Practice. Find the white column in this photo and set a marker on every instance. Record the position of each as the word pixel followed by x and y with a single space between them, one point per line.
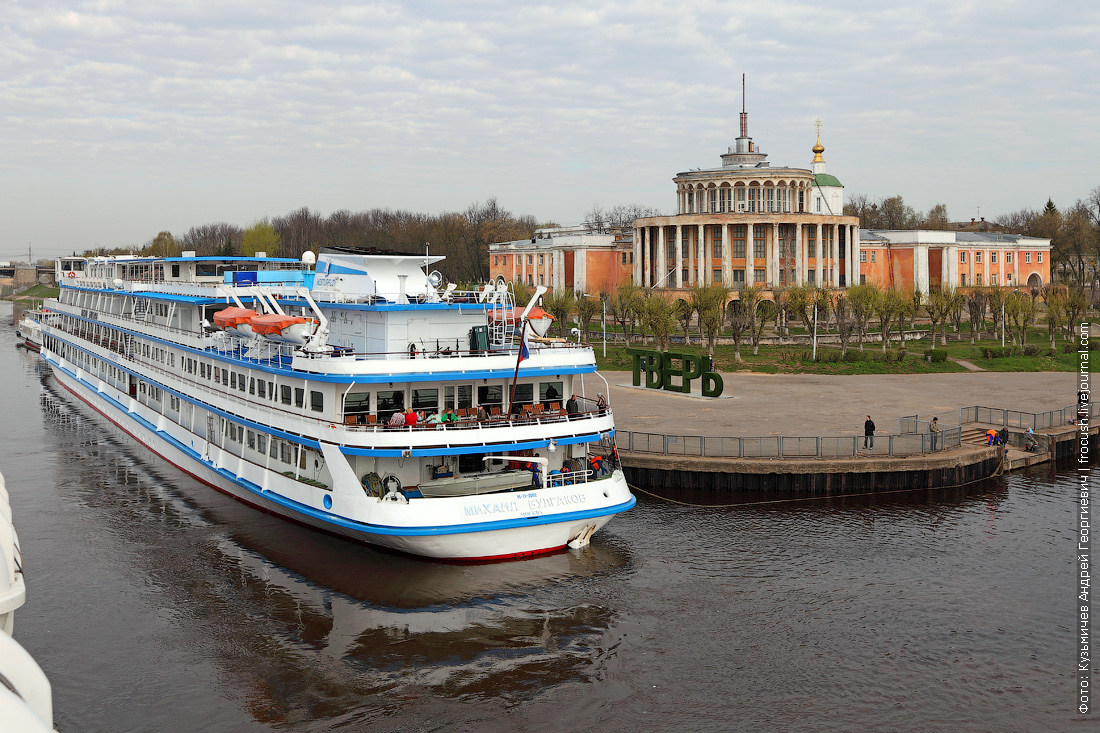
pixel 835 252
pixel 727 256
pixel 1001 267
pixel 920 268
pixel 773 260
pixel 701 255
pixel 799 256
pixel 679 256
pixel 749 263
pixel 662 256
pixel 855 255
pixel 637 254
pixel 819 258
pixel 647 268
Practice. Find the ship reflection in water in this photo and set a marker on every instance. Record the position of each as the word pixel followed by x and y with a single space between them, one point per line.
pixel 316 621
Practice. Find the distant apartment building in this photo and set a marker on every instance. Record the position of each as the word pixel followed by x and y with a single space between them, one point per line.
pixel 925 260
pixel 570 257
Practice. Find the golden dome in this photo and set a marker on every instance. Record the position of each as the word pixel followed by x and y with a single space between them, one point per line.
pixel 818 150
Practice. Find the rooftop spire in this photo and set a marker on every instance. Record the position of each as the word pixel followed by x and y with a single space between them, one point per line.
pixel 818 148
pixel 744 114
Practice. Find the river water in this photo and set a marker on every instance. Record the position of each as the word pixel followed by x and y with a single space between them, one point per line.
pixel 155 603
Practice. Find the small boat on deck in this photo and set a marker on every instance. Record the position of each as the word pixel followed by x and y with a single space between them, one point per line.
pixel 29 329
pixel 284 329
pixel 236 319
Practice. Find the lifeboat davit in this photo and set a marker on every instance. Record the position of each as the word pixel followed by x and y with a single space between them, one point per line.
pixel 285 329
pixel 539 319
pixel 235 320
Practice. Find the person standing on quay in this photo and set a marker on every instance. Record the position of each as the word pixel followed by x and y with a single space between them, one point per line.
pixel 934 428
pixel 869 433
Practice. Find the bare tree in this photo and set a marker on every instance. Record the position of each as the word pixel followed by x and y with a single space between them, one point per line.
pixel 976 302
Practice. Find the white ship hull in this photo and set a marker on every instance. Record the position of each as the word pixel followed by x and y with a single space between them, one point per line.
pixel 497 526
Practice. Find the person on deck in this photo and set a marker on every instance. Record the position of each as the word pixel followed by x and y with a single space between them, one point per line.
pixel 571 406
pixel 410 417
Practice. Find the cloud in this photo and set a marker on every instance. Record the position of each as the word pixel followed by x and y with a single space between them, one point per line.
pixel 235 110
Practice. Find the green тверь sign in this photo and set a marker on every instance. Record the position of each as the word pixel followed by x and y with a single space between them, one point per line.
pixel 661 368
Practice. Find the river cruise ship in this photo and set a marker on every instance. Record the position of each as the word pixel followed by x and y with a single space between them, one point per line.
pixel 355 393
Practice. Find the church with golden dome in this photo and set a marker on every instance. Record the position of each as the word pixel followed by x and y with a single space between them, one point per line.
pixel 747 223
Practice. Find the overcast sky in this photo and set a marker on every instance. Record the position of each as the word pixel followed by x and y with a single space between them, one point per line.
pixel 120 119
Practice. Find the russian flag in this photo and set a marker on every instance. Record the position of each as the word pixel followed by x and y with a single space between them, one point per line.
pixel 524 345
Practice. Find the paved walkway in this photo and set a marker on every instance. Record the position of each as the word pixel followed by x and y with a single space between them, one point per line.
pixel 812 404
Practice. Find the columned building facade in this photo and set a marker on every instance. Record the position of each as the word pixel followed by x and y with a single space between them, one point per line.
pixel 747 223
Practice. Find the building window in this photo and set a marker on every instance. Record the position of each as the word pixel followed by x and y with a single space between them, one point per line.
pixel 717 248
pixel 758 250
pixel 723 199
pixel 782 276
pixel 817 201
pixel 992 258
pixel 716 275
pixel 740 199
pixel 713 200
pixel 977 258
pixel 1039 257
pixel 810 275
pixel 684 275
pixel 1027 257
pixel 1008 278
pixel 771 199
pixel 624 258
pixel 872 255
pixel 962 258
pixel 691 202
pixel 801 201
pixel 962 279
pixel 978 279
pixel 1008 258
pixel 752 198
pixel 862 256
pixel 992 278
pixel 758 276
pixel 862 279
pixel 738 276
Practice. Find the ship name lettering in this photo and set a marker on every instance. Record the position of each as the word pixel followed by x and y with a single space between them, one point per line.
pixel 499 507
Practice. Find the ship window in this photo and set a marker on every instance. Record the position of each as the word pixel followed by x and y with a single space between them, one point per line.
pixel 389 402
pixel 175 270
pixel 524 395
pixel 425 399
pixel 261 443
pixel 550 392
pixel 270 390
pixel 218 376
pixel 286 394
pixel 464 394
pixel 316 401
pixel 299 397
pixel 274 448
pixel 251 385
pixel 240 382
pixel 225 376
pixel 252 440
pixel 357 403
pixel 490 395
pixel 202 370
pixel 232 380
pixel 260 389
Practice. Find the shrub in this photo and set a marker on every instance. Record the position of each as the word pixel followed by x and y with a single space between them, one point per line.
pixel 937 356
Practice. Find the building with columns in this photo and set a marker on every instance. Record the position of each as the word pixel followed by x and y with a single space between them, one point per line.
pixel 569 257
pixel 746 223
pixel 925 260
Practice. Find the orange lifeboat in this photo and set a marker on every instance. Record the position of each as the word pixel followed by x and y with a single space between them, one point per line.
pixel 539 319
pixel 235 319
pixel 286 329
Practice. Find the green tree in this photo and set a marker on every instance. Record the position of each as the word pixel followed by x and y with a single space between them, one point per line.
pixel 976 302
pixel 845 322
pixel 764 312
pixel 709 302
pixel 1055 297
pixel 560 303
pixel 1020 312
pixel 162 245
pixel 888 304
pixel 740 316
pixel 684 313
pixel 260 237
pixel 657 314
pixel 861 299
pixel 588 307
pixel 995 297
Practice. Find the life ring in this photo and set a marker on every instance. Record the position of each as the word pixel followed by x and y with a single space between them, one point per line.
pixel 70 274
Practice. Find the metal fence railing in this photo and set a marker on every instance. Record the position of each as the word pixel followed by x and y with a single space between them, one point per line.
pixel 790 446
pixel 1018 419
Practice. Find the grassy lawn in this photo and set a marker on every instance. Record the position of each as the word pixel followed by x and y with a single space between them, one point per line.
pixel 796 359
pixel 37 292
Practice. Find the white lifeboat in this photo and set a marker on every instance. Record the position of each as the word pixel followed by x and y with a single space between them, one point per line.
pixel 236 320
pixel 284 329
